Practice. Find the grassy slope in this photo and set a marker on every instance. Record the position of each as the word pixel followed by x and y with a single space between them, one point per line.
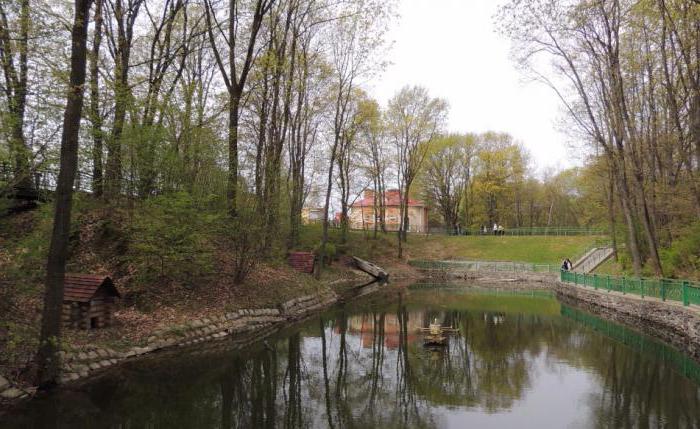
pixel 610 267
pixel 107 245
pixel 536 249
pixel 150 300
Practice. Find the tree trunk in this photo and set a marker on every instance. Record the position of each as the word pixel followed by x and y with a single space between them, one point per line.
pixel 324 237
pixel 382 204
pixel 49 345
pixel 113 173
pixel 95 117
pixel 404 214
pixel 15 88
pixel 611 212
pixel 632 239
pixel 232 183
pixel 649 229
pixel 375 208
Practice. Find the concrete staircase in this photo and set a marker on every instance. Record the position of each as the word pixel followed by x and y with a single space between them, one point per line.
pixel 593 259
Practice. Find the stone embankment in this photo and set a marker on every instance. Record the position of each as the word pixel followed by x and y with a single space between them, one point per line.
pixel 668 321
pixel 79 363
pixel 530 280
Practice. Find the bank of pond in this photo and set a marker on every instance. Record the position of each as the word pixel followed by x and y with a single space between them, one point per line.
pixel 519 359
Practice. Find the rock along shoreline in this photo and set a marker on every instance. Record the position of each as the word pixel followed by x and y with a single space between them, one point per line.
pixel 79 364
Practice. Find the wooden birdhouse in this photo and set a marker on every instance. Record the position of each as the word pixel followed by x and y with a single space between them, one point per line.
pixel 88 301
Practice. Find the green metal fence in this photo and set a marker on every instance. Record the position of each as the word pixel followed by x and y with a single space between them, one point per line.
pixel 554 230
pixel 493 266
pixel 638 342
pixel 683 291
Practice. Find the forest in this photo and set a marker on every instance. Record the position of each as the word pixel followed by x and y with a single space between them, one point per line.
pixel 196 127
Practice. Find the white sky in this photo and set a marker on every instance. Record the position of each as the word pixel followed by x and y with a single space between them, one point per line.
pixel 452 48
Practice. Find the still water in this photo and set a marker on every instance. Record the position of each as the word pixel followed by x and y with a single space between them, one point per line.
pixel 518 360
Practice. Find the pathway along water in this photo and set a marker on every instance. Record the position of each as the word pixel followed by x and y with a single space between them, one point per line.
pixel 521 359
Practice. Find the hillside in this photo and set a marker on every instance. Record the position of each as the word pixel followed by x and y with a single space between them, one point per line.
pixel 535 249
pixel 172 260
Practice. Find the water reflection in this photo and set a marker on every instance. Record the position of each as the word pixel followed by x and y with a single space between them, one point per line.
pixel 516 361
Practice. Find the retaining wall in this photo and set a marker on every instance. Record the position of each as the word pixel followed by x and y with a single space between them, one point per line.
pixel 537 280
pixel 83 362
pixel 671 322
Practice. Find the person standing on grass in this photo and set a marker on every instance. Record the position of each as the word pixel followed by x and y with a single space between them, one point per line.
pixel 495 228
pixel 565 265
pixel 569 265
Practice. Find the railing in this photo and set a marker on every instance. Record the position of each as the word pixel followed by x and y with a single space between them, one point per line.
pixel 44 180
pixel 492 266
pixel 683 291
pixel 557 231
pixel 593 258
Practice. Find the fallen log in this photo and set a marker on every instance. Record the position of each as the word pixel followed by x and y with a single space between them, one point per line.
pixel 373 270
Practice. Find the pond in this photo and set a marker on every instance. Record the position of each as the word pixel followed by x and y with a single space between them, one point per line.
pixel 518 359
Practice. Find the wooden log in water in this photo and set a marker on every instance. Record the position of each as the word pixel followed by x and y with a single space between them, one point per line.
pixel 373 270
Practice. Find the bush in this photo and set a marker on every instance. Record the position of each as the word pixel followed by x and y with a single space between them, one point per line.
pixel 331 253
pixel 683 258
pixel 244 239
pixel 170 238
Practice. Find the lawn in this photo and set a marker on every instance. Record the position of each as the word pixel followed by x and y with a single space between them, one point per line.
pixel 610 267
pixel 535 249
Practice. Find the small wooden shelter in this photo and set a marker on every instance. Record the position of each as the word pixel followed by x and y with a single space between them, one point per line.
pixel 88 301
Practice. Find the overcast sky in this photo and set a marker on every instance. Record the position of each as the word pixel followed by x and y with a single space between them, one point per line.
pixel 452 48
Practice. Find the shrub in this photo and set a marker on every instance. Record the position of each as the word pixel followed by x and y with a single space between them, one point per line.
pixel 684 255
pixel 244 240
pixel 331 252
pixel 170 238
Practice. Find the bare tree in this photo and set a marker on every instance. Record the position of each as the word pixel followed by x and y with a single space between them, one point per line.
pixel 377 160
pixel 447 175
pixel 233 74
pixel 47 357
pixel 357 35
pixel 587 57
pixel 14 64
pixel 413 119
pixel 120 46
pixel 94 112
pixel 305 125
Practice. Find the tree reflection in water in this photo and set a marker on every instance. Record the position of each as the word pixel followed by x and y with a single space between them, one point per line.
pixel 367 367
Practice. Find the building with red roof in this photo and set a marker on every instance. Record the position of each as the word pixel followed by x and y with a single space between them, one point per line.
pixel 363 213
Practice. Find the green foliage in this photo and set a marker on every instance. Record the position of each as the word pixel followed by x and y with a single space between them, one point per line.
pixel 5 203
pixel 331 252
pixel 170 239
pixel 242 237
pixel 500 167
pixel 534 249
pixel 26 254
pixel 683 257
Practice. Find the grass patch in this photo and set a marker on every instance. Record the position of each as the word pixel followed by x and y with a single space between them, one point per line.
pixel 610 267
pixel 534 249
